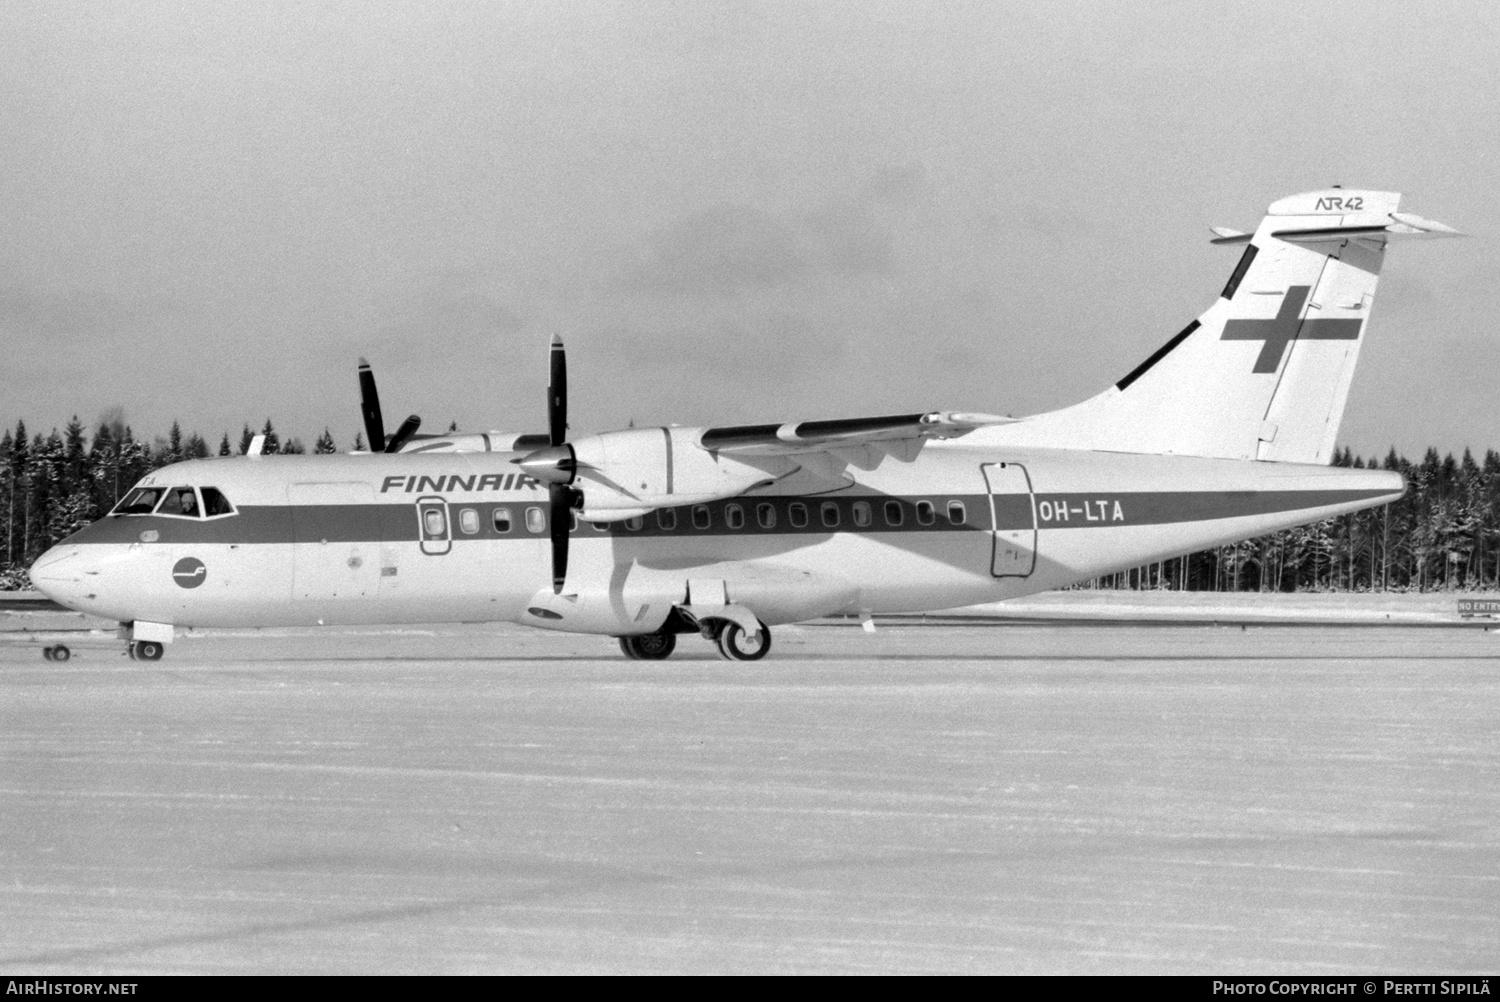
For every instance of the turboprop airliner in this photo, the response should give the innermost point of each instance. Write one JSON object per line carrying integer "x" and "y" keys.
{"x": 647, "y": 534}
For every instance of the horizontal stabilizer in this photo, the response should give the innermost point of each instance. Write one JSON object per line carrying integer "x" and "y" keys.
{"x": 1224, "y": 235}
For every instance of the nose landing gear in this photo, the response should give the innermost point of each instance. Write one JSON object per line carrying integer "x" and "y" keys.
{"x": 736, "y": 645}
{"x": 57, "y": 652}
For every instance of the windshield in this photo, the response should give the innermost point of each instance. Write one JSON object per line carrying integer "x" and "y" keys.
{"x": 140, "y": 501}
{"x": 179, "y": 501}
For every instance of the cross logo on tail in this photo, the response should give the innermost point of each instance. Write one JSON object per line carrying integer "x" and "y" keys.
{"x": 1286, "y": 327}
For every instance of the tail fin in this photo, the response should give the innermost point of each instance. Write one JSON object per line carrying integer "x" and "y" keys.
{"x": 1264, "y": 373}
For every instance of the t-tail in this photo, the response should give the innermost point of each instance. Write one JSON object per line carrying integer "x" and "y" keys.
{"x": 1264, "y": 373}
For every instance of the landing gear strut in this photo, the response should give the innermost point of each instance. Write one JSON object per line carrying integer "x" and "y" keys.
{"x": 735, "y": 645}
{"x": 648, "y": 646}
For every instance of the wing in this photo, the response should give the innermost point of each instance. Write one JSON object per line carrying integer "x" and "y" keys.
{"x": 861, "y": 442}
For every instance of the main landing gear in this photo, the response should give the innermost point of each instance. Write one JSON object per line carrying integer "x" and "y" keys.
{"x": 730, "y": 639}
{"x": 146, "y": 650}
{"x": 649, "y": 646}
{"x": 57, "y": 652}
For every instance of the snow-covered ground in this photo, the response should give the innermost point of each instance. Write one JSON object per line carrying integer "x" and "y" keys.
{"x": 940, "y": 797}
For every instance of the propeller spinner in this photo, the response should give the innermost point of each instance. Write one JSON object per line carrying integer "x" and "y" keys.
{"x": 369, "y": 406}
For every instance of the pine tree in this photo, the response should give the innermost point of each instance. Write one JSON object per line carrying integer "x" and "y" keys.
{"x": 324, "y": 446}
{"x": 246, "y": 437}
{"x": 359, "y": 442}
{"x": 224, "y": 449}
{"x": 273, "y": 442}
{"x": 174, "y": 443}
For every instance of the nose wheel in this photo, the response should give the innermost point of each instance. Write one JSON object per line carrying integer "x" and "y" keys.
{"x": 57, "y": 652}
{"x": 735, "y": 645}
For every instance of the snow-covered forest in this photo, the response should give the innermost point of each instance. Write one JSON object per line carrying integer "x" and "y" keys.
{"x": 1445, "y": 533}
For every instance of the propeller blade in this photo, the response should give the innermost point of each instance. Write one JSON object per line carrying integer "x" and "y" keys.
{"x": 557, "y": 394}
{"x": 560, "y": 522}
{"x": 369, "y": 406}
{"x": 403, "y": 434}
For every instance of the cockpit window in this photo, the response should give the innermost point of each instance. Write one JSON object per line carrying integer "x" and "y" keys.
{"x": 141, "y": 501}
{"x": 215, "y": 503}
{"x": 179, "y": 501}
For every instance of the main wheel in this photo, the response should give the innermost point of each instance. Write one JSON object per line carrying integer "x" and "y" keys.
{"x": 60, "y": 653}
{"x": 146, "y": 650}
{"x": 735, "y": 646}
{"x": 47, "y": 653}
{"x": 649, "y": 646}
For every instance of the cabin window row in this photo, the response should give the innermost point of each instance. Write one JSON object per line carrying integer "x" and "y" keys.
{"x": 799, "y": 515}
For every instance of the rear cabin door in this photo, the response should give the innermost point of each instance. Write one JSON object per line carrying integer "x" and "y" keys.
{"x": 1013, "y": 517}
{"x": 336, "y": 541}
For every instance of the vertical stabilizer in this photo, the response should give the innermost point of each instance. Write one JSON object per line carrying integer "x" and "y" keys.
{"x": 1265, "y": 372}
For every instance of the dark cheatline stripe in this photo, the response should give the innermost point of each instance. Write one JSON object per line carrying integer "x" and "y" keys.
{"x": 1158, "y": 355}
{"x": 399, "y": 522}
{"x": 1171, "y": 507}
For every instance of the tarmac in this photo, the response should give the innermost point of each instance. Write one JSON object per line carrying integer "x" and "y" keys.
{"x": 940, "y": 796}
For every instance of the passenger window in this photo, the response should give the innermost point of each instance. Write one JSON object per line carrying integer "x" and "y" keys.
{"x": 468, "y": 521}
{"x": 701, "y": 517}
{"x": 798, "y": 514}
{"x": 500, "y": 519}
{"x": 766, "y": 516}
{"x": 956, "y": 513}
{"x": 141, "y": 501}
{"x": 434, "y": 522}
{"x": 215, "y": 503}
{"x": 179, "y": 501}
{"x": 535, "y": 520}
{"x": 734, "y": 516}
{"x": 926, "y": 513}
{"x": 862, "y": 513}
{"x": 894, "y": 515}
{"x": 830, "y": 512}
{"x": 634, "y": 523}
{"x": 666, "y": 519}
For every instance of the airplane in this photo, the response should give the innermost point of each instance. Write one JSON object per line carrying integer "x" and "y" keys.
{"x": 647, "y": 534}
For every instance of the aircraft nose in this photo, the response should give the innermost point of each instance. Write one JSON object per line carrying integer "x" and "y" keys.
{"x": 57, "y": 573}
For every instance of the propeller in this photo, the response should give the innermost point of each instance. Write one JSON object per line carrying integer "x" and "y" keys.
{"x": 557, "y": 465}
{"x": 369, "y": 406}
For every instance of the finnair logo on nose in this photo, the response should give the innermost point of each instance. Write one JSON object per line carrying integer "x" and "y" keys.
{"x": 189, "y": 572}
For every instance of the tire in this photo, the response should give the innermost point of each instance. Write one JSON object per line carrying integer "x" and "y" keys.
{"x": 47, "y": 653}
{"x": 61, "y": 653}
{"x": 649, "y": 646}
{"x": 731, "y": 647}
{"x": 148, "y": 650}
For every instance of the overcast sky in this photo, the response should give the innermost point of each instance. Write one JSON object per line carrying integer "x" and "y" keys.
{"x": 731, "y": 212}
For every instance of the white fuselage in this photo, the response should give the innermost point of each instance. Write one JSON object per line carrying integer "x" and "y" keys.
{"x": 461, "y": 537}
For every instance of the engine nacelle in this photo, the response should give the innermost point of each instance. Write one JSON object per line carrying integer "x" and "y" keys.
{"x": 625, "y": 473}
